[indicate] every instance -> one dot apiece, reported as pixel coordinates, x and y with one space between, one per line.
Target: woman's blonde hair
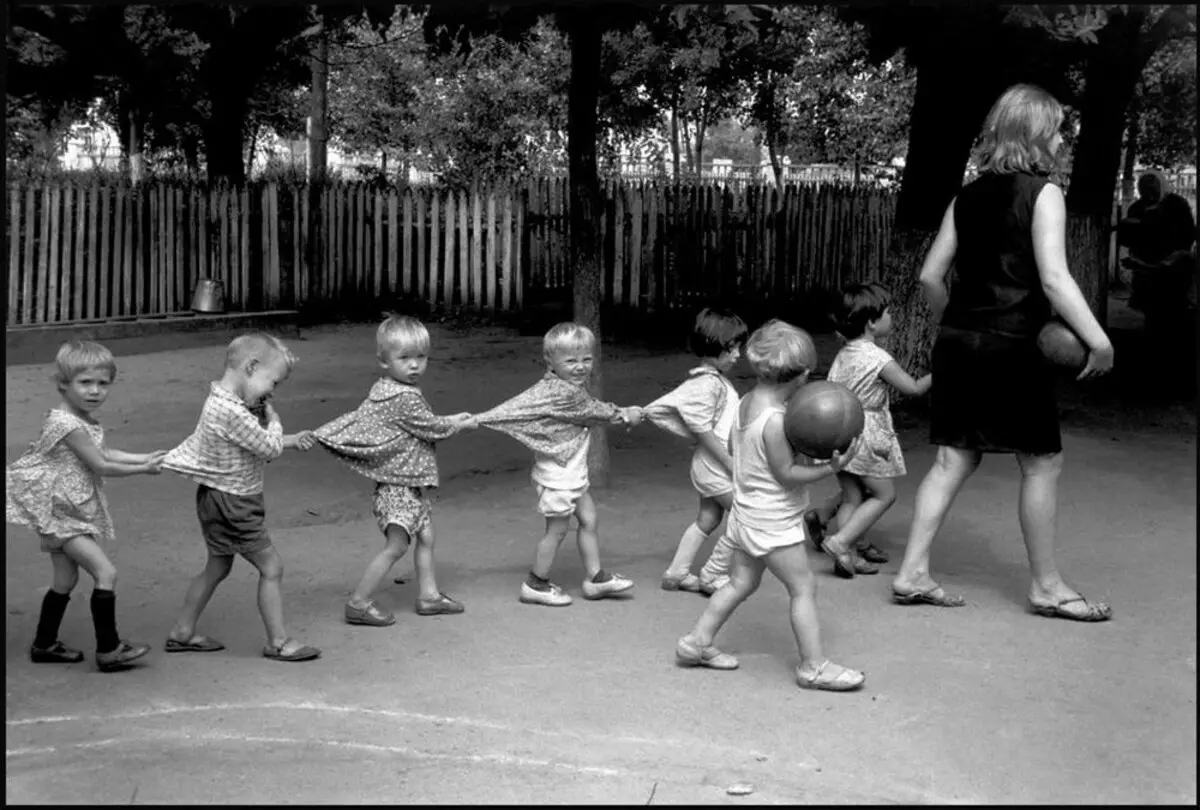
779 352
77 356
1017 133
567 335
401 332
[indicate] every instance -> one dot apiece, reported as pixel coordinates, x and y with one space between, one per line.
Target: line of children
739 469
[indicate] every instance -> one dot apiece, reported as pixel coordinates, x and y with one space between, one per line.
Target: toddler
702 408
765 525
867 369
56 489
553 418
226 456
389 439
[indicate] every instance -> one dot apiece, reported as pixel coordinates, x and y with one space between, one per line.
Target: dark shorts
992 393
232 524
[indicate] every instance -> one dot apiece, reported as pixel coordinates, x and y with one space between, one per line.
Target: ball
1062 346
822 418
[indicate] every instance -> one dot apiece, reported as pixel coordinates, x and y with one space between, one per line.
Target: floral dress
857 366
52 491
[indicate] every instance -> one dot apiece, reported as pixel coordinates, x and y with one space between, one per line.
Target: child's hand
306 440
465 421
630 416
155 457
840 460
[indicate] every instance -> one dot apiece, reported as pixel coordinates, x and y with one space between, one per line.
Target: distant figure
1159 231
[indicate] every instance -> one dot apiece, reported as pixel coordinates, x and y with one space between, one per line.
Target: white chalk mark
213 736
390 714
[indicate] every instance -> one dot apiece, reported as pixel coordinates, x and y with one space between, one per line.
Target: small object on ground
1061 345
740 789
822 418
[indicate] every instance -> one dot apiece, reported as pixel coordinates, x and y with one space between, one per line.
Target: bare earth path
514 703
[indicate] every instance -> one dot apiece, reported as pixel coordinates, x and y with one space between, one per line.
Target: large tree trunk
223 136
137 161
675 141
319 66
586 205
1087 258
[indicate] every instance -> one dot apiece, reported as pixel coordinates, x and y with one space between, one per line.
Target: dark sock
537 583
601 576
104 619
54 605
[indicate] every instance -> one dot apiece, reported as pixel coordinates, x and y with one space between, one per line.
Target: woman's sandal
933 596
1093 611
301 653
844 681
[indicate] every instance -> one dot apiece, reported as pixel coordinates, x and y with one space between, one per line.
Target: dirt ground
511 703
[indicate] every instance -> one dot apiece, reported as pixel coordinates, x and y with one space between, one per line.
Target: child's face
883 326
727 359
572 363
404 364
261 377
88 389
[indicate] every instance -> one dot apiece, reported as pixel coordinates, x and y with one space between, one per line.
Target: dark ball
822 418
1061 345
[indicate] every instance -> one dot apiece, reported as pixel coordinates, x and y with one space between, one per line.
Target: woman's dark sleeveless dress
993 391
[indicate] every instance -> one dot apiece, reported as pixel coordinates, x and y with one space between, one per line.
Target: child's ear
250 366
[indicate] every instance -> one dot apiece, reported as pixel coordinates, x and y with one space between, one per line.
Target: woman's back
996 283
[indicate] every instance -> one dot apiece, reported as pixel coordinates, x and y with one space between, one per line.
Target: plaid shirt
229 448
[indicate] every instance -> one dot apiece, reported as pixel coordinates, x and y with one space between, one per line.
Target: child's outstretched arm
98 462
903 382
153 457
304 440
241 427
783 464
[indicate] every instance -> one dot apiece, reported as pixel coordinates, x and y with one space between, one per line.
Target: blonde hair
77 356
779 352
257 346
1017 132
401 331
567 335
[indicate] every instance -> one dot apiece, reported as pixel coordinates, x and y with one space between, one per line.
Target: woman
993 392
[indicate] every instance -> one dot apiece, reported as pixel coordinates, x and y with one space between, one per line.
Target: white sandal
845 681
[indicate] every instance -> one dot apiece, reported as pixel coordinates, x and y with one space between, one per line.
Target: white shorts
759 542
710 484
558 502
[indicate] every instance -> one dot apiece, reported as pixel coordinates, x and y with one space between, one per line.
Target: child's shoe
553 596
124 654
611 584
845 681
690 654
709 586
681 582
56 653
874 554
370 615
442 605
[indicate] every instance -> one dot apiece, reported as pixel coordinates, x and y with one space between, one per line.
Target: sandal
370 615
814 527
301 653
1093 611
861 566
681 582
56 653
436 607
845 681
933 596
872 553
690 654
194 644
843 560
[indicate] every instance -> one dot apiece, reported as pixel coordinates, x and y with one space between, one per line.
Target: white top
573 475
706 466
759 500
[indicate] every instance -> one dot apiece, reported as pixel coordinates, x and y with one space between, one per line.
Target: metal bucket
209 296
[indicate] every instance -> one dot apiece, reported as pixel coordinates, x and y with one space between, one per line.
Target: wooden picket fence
96 252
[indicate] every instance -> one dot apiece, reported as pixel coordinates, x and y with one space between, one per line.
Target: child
389 439
226 456
702 407
766 524
866 368
56 489
552 418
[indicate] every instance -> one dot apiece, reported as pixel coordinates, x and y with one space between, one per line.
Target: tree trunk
137 165
253 148
776 166
675 140
914 329
223 136
585 34
1133 129
319 109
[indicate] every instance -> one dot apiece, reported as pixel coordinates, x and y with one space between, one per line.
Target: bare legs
395 545
586 537
951 468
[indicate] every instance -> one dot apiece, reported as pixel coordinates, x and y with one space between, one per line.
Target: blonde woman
993 391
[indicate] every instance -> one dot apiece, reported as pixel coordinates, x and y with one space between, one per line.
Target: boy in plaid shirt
238 433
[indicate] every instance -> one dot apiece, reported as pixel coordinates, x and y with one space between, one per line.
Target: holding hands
631 416
465 421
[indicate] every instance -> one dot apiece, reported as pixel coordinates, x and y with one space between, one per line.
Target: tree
1166 107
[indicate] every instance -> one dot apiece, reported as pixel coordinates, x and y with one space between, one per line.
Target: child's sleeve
690 409
241 427
412 413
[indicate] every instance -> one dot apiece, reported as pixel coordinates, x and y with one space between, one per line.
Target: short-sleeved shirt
858 366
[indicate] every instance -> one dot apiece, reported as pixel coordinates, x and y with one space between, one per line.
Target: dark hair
716 331
861 303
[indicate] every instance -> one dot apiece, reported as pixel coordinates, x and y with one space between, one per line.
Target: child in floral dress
390 439
56 489
867 485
